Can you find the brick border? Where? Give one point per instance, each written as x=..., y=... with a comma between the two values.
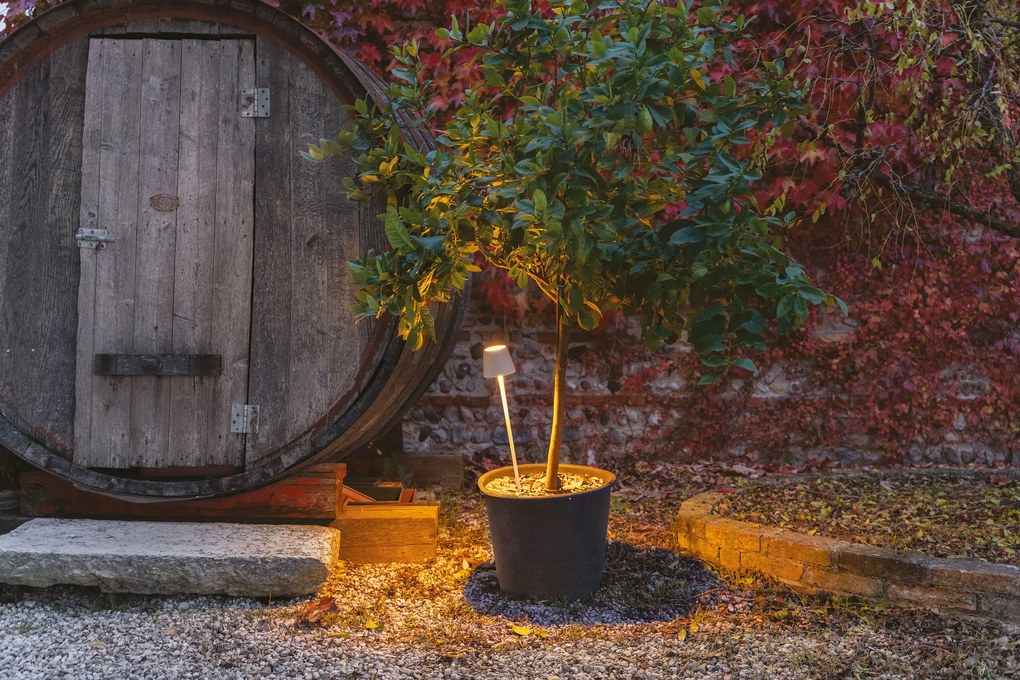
x=816, y=564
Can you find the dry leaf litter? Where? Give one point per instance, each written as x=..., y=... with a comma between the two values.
x=659, y=614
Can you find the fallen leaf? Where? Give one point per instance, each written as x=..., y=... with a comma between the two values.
x=682, y=635
x=313, y=611
x=523, y=631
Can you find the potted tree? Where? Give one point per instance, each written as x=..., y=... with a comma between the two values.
x=607, y=158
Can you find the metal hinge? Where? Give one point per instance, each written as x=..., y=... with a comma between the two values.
x=92, y=238
x=255, y=103
x=244, y=419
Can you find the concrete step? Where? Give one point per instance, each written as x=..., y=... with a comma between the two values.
x=216, y=558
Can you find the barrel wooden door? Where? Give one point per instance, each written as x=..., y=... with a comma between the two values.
x=166, y=253
x=165, y=241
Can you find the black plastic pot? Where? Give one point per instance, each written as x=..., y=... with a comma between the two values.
x=549, y=547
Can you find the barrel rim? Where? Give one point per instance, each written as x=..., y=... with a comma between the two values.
x=348, y=79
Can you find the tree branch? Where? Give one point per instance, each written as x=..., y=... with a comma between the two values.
x=929, y=199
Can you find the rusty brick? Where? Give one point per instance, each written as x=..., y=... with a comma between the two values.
x=975, y=575
x=906, y=568
x=730, y=533
x=1000, y=607
x=843, y=583
x=795, y=547
x=784, y=570
x=801, y=587
x=702, y=549
x=689, y=524
x=729, y=558
x=682, y=540
x=936, y=598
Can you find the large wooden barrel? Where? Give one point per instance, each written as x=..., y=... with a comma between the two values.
x=173, y=291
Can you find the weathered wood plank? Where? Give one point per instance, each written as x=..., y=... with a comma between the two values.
x=192, y=318
x=232, y=254
x=324, y=355
x=109, y=292
x=27, y=200
x=158, y=364
x=271, y=343
x=311, y=494
x=171, y=27
x=316, y=344
x=9, y=133
x=157, y=174
x=88, y=219
x=36, y=368
x=52, y=382
x=192, y=411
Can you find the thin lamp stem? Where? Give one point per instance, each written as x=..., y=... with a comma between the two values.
x=509, y=431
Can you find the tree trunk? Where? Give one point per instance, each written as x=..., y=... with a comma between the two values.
x=552, y=480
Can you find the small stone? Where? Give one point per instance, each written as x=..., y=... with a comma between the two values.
x=460, y=435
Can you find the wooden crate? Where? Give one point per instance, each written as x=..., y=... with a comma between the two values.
x=388, y=532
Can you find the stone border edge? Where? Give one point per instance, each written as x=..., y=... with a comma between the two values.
x=818, y=564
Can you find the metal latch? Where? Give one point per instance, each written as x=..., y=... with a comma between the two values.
x=255, y=103
x=92, y=238
x=244, y=419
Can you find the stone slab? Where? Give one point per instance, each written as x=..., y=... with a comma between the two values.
x=254, y=560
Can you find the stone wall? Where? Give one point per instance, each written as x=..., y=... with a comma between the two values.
x=624, y=401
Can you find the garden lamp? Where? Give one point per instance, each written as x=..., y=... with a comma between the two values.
x=496, y=363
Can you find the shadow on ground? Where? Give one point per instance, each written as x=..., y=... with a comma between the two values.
x=640, y=585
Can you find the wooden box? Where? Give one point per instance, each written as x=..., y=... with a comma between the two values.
x=388, y=532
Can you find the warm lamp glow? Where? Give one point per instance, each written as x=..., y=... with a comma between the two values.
x=496, y=363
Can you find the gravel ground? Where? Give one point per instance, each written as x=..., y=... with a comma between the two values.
x=658, y=615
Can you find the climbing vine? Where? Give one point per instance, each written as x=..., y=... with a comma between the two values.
x=906, y=174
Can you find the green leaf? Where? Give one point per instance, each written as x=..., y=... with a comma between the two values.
x=709, y=378
x=687, y=235
x=812, y=295
x=575, y=300
x=729, y=86
x=540, y=201
x=432, y=243
x=785, y=307
x=396, y=232
x=588, y=319
x=746, y=364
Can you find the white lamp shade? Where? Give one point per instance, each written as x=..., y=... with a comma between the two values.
x=496, y=361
